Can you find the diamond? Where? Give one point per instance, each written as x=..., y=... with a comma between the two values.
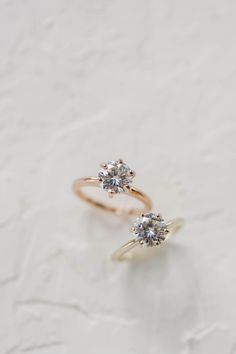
x=150, y=230
x=115, y=176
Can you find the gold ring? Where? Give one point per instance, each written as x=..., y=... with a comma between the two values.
x=114, y=177
x=150, y=230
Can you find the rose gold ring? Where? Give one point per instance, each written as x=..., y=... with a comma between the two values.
x=149, y=230
x=114, y=177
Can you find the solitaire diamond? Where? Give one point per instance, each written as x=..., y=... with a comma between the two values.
x=150, y=230
x=115, y=176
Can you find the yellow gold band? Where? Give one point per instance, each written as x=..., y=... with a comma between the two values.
x=123, y=253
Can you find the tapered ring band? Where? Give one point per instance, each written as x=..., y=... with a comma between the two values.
x=150, y=230
x=78, y=188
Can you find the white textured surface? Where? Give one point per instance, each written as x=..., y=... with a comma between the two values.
x=153, y=82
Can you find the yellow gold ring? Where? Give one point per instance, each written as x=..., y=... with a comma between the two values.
x=150, y=230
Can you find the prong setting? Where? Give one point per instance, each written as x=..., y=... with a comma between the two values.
x=115, y=176
x=111, y=194
x=120, y=161
x=132, y=173
x=103, y=165
x=126, y=188
x=150, y=230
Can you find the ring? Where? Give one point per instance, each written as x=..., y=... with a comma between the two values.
x=114, y=177
x=150, y=230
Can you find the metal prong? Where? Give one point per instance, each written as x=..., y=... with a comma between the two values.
x=111, y=194
x=126, y=188
x=131, y=173
x=120, y=161
x=141, y=242
x=132, y=229
x=103, y=165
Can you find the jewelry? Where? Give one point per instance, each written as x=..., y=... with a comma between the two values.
x=114, y=177
x=150, y=230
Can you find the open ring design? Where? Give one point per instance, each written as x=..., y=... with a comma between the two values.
x=114, y=177
x=150, y=230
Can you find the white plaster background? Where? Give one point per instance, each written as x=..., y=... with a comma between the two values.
x=81, y=82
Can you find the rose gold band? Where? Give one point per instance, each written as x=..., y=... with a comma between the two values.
x=130, y=191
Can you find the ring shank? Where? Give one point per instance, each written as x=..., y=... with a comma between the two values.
x=131, y=191
x=123, y=253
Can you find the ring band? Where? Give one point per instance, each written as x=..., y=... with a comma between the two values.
x=150, y=230
x=114, y=177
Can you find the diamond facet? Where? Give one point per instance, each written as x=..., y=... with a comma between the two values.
x=150, y=229
x=115, y=176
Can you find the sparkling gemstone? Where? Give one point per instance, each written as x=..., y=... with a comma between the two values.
x=150, y=229
x=115, y=175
